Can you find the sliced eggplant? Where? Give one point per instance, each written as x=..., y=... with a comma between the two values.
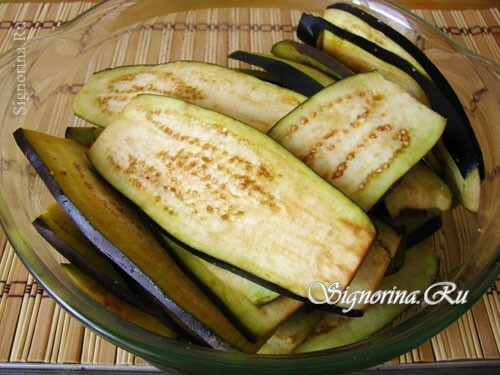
x=421, y=229
x=225, y=90
x=351, y=50
x=418, y=272
x=118, y=306
x=228, y=190
x=233, y=291
x=262, y=75
x=458, y=137
x=85, y=135
x=58, y=229
x=467, y=190
x=388, y=237
x=420, y=189
x=412, y=52
x=292, y=332
x=373, y=268
x=346, y=16
x=398, y=259
x=295, y=76
x=311, y=56
x=244, y=288
x=118, y=230
x=61, y=232
x=361, y=134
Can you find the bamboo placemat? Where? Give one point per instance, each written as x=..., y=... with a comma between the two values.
x=34, y=329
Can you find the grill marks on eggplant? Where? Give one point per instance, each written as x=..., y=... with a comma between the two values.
x=265, y=188
x=123, y=88
x=108, y=220
x=238, y=95
x=360, y=134
x=203, y=177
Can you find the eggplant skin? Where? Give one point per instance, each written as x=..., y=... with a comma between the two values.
x=432, y=70
x=217, y=185
x=63, y=162
x=458, y=136
x=295, y=76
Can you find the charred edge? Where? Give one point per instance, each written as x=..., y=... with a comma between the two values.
x=108, y=249
x=291, y=78
x=437, y=77
x=264, y=283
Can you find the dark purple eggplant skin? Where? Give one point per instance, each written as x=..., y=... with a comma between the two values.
x=81, y=263
x=266, y=284
x=425, y=231
x=322, y=57
x=432, y=70
x=457, y=138
x=290, y=77
x=108, y=249
x=399, y=258
x=136, y=296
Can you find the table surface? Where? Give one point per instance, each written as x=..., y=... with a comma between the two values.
x=473, y=341
x=412, y=4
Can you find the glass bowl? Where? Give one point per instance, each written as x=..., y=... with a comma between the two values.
x=39, y=78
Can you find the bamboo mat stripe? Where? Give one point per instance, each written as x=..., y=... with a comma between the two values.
x=34, y=329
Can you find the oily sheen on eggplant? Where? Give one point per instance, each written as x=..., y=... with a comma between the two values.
x=228, y=190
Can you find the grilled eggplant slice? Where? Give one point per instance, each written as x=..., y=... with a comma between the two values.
x=295, y=76
x=346, y=17
x=466, y=190
x=373, y=268
x=261, y=74
x=246, y=289
x=224, y=188
x=61, y=232
x=119, y=231
x=311, y=56
x=361, y=134
x=461, y=154
x=418, y=272
x=225, y=90
x=413, y=54
x=232, y=291
x=419, y=189
x=292, y=332
x=58, y=229
x=118, y=306
x=421, y=229
x=351, y=50
x=85, y=135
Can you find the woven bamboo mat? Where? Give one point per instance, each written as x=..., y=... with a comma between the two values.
x=34, y=329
